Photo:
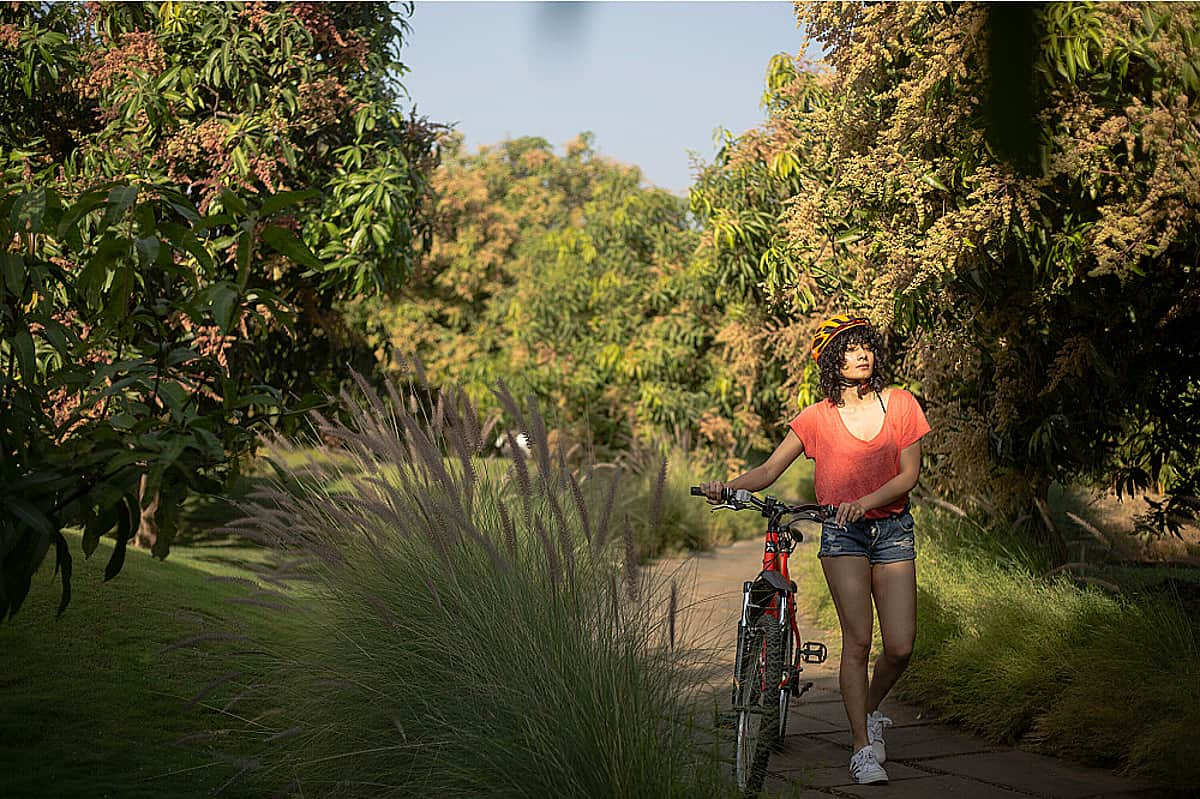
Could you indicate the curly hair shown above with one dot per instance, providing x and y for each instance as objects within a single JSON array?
[{"x": 834, "y": 356}]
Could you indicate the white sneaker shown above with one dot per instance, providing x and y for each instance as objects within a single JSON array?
[
  {"x": 876, "y": 723},
  {"x": 865, "y": 769}
]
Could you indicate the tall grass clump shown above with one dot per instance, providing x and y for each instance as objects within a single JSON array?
[
  {"x": 1022, "y": 657},
  {"x": 465, "y": 631}
]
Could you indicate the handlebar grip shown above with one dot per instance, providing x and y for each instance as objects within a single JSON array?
[{"x": 696, "y": 492}]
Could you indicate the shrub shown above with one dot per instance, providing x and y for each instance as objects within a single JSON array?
[{"x": 465, "y": 633}]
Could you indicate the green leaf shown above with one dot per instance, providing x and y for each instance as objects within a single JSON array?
[
  {"x": 286, "y": 242},
  {"x": 186, "y": 211},
  {"x": 128, "y": 519},
  {"x": 212, "y": 448},
  {"x": 245, "y": 248},
  {"x": 28, "y": 513},
  {"x": 180, "y": 355},
  {"x": 86, "y": 204},
  {"x": 224, "y": 301},
  {"x": 213, "y": 220},
  {"x": 120, "y": 291},
  {"x": 13, "y": 266},
  {"x": 170, "y": 501},
  {"x": 57, "y": 335},
  {"x": 29, "y": 209},
  {"x": 97, "y": 525},
  {"x": 232, "y": 202},
  {"x": 931, "y": 180},
  {"x": 169, "y": 454},
  {"x": 119, "y": 200},
  {"x": 147, "y": 250},
  {"x": 174, "y": 397},
  {"x": 22, "y": 345},
  {"x": 285, "y": 199},
  {"x": 63, "y": 566},
  {"x": 143, "y": 214},
  {"x": 180, "y": 238}
]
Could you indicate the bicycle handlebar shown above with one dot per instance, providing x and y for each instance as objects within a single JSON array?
[{"x": 741, "y": 499}]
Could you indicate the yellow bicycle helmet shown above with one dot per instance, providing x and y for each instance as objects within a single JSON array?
[{"x": 830, "y": 328}]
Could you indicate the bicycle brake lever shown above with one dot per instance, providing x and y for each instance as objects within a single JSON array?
[{"x": 716, "y": 508}]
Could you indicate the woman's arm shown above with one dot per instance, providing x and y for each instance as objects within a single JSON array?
[
  {"x": 762, "y": 475},
  {"x": 898, "y": 486}
]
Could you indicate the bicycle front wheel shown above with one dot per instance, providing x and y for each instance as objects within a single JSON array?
[
  {"x": 758, "y": 702},
  {"x": 787, "y": 665}
]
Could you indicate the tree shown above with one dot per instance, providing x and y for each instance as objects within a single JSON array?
[
  {"x": 193, "y": 193},
  {"x": 771, "y": 294},
  {"x": 1046, "y": 308},
  {"x": 567, "y": 279}
]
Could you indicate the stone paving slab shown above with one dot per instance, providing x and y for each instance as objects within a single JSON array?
[
  {"x": 1033, "y": 773},
  {"x": 905, "y": 715},
  {"x": 832, "y": 712},
  {"x": 803, "y": 751},
  {"x": 924, "y": 741},
  {"x": 800, "y": 722},
  {"x": 786, "y": 789},
  {"x": 930, "y": 788},
  {"x": 838, "y": 777}
]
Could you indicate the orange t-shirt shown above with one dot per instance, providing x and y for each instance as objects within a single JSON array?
[{"x": 848, "y": 468}]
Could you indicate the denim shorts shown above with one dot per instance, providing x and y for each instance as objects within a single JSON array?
[{"x": 887, "y": 540}]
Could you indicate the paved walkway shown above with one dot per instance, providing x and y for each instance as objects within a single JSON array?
[{"x": 926, "y": 758}]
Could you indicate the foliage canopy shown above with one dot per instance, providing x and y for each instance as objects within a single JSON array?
[
  {"x": 191, "y": 191},
  {"x": 567, "y": 279},
  {"x": 1049, "y": 311}
]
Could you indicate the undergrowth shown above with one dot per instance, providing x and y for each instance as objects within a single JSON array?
[
  {"x": 1101, "y": 677},
  {"x": 465, "y": 631}
]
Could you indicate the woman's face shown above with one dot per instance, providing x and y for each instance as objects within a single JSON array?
[{"x": 859, "y": 363}]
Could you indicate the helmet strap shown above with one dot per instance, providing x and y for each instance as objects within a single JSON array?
[{"x": 862, "y": 388}]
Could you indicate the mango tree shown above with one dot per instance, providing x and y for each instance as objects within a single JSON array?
[{"x": 193, "y": 194}]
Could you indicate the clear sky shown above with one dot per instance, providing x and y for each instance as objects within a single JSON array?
[{"x": 651, "y": 80}]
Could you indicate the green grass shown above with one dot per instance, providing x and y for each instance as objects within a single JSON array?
[
  {"x": 1104, "y": 678},
  {"x": 465, "y": 633},
  {"x": 92, "y": 707}
]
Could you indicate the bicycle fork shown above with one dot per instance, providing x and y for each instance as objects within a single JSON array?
[{"x": 774, "y": 604}]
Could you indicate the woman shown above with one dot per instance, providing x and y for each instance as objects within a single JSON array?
[{"x": 865, "y": 441}]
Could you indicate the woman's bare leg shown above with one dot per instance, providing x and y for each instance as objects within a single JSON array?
[
  {"x": 849, "y": 579},
  {"x": 894, "y": 586}
]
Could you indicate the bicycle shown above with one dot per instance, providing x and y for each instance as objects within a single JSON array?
[{"x": 769, "y": 641}]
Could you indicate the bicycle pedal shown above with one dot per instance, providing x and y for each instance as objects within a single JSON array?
[{"x": 814, "y": 652}]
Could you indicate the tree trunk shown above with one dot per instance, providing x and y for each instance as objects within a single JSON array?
[
  {"x": 147, "y": 534},
  {"x": 1051, "y": 537}
]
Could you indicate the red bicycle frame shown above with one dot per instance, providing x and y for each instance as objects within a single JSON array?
[{"x": 775, "y": 558}]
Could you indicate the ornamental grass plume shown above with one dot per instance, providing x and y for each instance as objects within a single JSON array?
[{"x": 438, "y": 643}]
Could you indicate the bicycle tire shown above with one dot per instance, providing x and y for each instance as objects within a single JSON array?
[
  {"x": 758, "y": 705},
  {"x": 785, "y": 694}
]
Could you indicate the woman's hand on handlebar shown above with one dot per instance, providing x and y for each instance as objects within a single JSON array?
[
  {"x": 713, "y": 492},
  {"x": 849, "y": 512}
]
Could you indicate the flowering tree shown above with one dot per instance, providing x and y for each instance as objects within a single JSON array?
[
  {"x": 1046, "y": 309},
  {"x": 570, "y": 281},
  {"x": 192, "y": 194}
]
